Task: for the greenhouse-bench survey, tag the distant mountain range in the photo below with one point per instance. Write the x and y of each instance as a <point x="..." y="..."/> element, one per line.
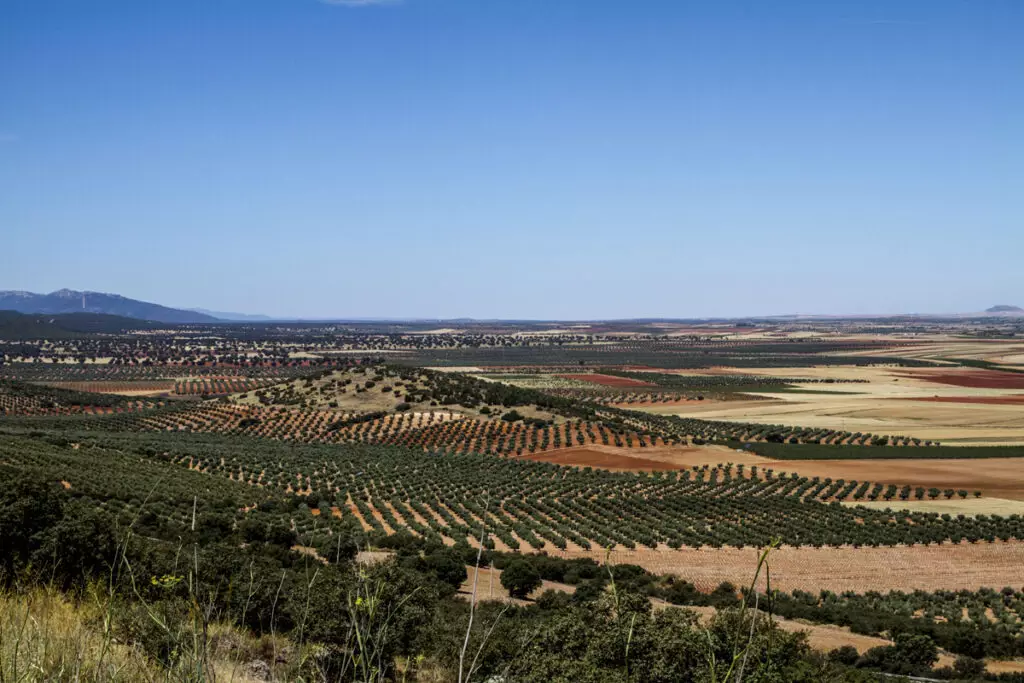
<point x="1003" y="309"/>
<point x="71" y="301"/>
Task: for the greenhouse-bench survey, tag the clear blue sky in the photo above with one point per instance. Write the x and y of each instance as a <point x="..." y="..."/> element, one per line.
<point x="516" y="158"/>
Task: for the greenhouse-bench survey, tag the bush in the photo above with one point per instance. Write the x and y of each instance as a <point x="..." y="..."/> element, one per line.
<point x="846" y="655"/>
<point x="448" y="568"/>
<point x="520" y="579"/>
<point x="968" y="667"/>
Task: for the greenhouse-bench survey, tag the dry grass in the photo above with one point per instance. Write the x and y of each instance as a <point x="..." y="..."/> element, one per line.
<point x="43" y="636"/>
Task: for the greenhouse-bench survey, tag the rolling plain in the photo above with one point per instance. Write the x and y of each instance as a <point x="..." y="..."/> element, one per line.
<point x="877" y="459"/>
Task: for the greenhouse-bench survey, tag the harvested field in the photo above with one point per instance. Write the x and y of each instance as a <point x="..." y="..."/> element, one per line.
<point x="930" y="568"/>
<point x="997" y="477"/>
<point x="608" y="380"/>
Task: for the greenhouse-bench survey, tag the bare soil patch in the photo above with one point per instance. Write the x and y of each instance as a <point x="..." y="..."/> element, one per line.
<point x="371" y="557"/>
<point x="649" y="459"/>
<point x="1006" y="666"/>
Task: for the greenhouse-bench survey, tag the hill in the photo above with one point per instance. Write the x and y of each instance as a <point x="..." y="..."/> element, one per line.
<point x="1004" y="309"/>
<point x="21" y="326"/>
<point x="72" y="301"/>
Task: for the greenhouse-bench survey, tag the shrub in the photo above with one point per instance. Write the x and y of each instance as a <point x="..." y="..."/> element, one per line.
<point x="520" y="579"/>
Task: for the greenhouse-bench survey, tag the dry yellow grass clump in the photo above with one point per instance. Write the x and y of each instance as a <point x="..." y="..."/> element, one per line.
<point x="46" y="636"/>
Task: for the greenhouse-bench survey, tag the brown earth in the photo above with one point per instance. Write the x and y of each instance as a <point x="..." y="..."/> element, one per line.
<point x="608" y="380"/>
<point x="934" y="567"/>
<point x="648" y="459"/>
<point x="586" y="457"/>
<point x="975" y="379"/>
<point x="998" y="477"/>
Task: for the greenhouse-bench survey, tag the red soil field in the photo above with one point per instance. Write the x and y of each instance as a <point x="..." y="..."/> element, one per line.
<point x="974" y="379"/>
<point x="648" y="459"/>
<point x="1015" y="399"/>
<point x="586" y="457"/>
<point x="994" y="477"/>
<point x="608" y="380"/>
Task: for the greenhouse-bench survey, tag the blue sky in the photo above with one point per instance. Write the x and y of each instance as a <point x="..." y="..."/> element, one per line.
<point x="516" y="158"/>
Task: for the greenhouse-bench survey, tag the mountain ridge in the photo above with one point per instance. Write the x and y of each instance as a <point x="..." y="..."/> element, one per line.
<point x="74" y="301"/>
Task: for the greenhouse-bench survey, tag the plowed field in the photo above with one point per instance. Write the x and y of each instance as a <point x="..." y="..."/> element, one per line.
<point x="998" y="477"/>
<point x="647" y="459"/>
<point x="975" y="379"/>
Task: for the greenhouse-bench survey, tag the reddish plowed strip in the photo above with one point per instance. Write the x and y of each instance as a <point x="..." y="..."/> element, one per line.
<point x="585" y="457"/>
<point x="995" y="477"/>
<point x="974" y="379"/>
<point x="608" y="380"/>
